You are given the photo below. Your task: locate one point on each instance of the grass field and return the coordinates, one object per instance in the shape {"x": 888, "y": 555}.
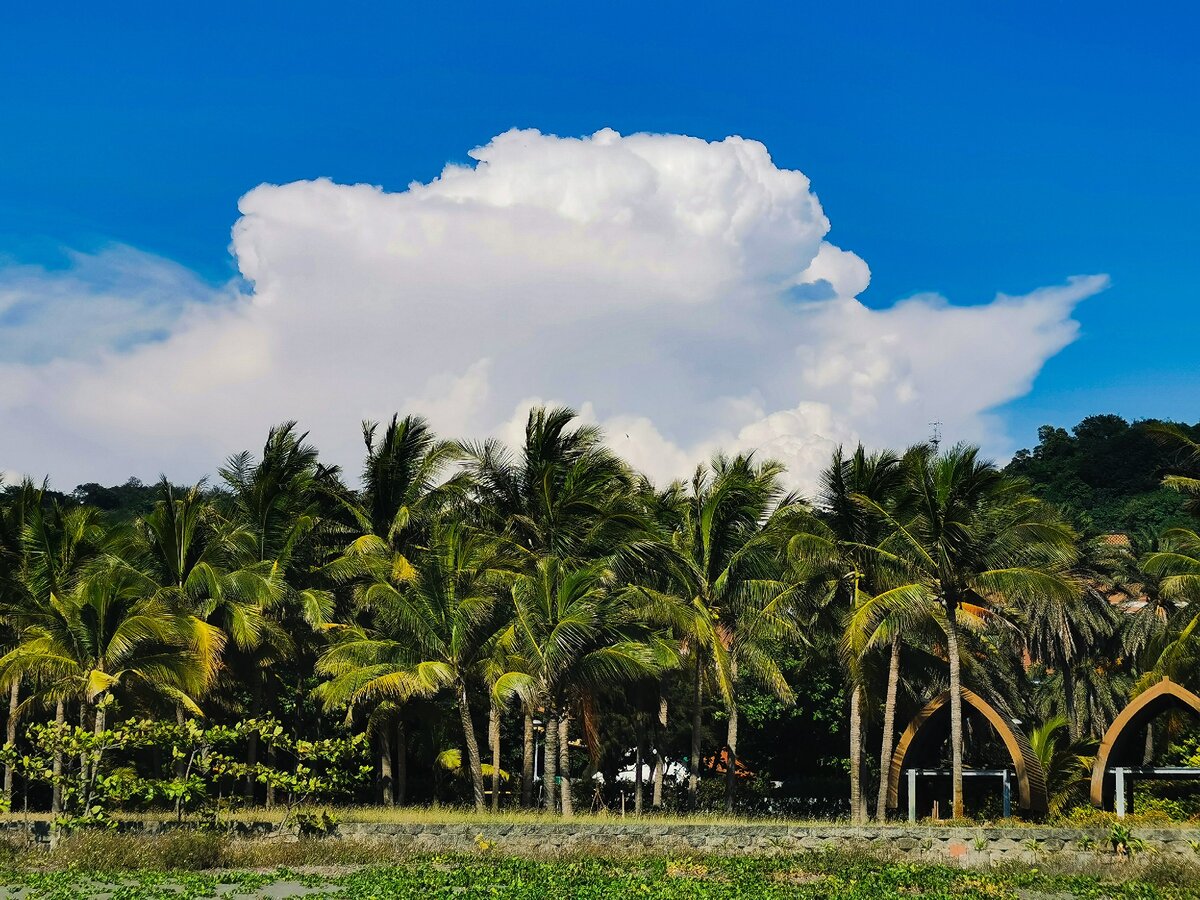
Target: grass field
{"x": 807, "y": 876}
{"x": 109, "y": 866}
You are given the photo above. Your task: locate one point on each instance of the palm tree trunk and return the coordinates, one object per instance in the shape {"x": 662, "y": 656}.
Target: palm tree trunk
{"x": 564, "y": 765}
{"x": 252, "y": 740}
{"x": 272, "y": 755}
{"x": 660, "y": 735}
{"x": 14, "y": 699}
{"x": 731, "y": 737}
{"x": 473, "y": 760}
{"x": 60, "y": 718}
{"x": 401, "y": 761}
{"x": 385, "y": 765}
{"x": 1069, "y": 701}
{"x": 956, "y": 722}
{"x": 694, "y": 759}
{"x": 639, "y": 754}
{"x": 83, "y": 756}
{"x": 180, "y": 764}
{"x": 94, "y": 771}
{"x": 494, "y": 740}
{"x": 550, "y": 765}
{"x": 889, "y": 730}
{"x": 527, "y": 760}
{"x": 856, "y": 748}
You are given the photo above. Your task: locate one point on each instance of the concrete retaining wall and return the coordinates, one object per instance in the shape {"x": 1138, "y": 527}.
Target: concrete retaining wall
{"x": 975, "y": 846}
{"x": 970, "y": 846}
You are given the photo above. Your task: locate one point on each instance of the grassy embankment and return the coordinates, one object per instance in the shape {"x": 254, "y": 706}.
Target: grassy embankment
{"x": 200, "y": 864}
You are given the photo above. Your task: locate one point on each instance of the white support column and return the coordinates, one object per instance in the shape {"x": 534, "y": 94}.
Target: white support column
{"x": 912, "y": 795}
{"x": 1120, "y": 792}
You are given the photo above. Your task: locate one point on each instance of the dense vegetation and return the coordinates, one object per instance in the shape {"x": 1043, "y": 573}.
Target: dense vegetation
{"x": 516, "y": 626}
{"x": 1107, "y": 474}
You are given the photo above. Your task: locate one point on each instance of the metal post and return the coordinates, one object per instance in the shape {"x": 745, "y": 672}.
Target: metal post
{"x": 1120, "y": 798}
{"x": 1007, "y": 796}
{"x": 912, "y": 795}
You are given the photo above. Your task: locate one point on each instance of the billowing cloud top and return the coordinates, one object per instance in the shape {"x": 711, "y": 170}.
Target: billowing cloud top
{"x": 680, "y": 292}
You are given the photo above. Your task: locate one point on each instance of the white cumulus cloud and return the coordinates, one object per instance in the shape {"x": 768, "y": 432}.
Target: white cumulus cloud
{"x": 681, "y": 293}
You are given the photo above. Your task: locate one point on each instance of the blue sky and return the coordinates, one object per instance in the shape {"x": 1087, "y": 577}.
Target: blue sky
{"x": 959, "y": 148}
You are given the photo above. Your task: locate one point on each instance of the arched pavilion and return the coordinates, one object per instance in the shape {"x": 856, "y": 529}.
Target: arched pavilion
{"x": 927, "y": 731}
{"x": 1120, "y": 750}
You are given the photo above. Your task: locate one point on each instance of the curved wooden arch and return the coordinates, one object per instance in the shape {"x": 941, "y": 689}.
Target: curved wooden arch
{"x": 1031, "y": 780}
{"x": 1127, "y": 727}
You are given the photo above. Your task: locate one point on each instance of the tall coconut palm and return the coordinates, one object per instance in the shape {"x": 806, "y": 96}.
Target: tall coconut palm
{"x": 974, "y": 536}
{"x": 570, "y": 633}
{"x": 1063, "y": 632}
{"x": 565, "y": 494}
{"x": 727, "y": 599}
{"x": 433, "y": 631}
{"x": 276, "y": 505}
{"x": 49, "y": 548}
{"x": 648, "y": 574}
{"x": 279, "y": 506}
{"x": 836, "y": 548}
{"x": 405, "y": 489}
{"x": 110, "y": 637}
{"x": 189, "y": 563}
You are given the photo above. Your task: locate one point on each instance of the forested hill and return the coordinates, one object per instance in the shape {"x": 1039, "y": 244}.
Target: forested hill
{"x": 1107, "y": 474}
{"x": 120, "y": 502}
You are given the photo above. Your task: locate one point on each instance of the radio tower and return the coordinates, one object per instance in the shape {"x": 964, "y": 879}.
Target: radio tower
{"x": 935, "y": 435}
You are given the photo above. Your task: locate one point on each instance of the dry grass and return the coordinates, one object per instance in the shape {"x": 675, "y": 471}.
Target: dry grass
{"x": 457, "y": 815}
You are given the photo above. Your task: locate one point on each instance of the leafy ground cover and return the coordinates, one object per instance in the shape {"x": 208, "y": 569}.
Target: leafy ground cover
{"x": 470, "y": 876}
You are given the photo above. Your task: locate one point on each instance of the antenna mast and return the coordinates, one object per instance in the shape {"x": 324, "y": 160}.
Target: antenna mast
{"x": 935, "y": 435}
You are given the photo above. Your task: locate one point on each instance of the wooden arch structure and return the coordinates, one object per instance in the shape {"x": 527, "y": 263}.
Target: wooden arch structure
{"x": 919, "y": 739}
{"x": 1120, "y": 742}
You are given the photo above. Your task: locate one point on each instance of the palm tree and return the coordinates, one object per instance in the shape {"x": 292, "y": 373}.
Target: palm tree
{"x": 404, "y": 492}
{"x": 835, "y": 548}
{"x": 727, "y": 600}
{"x": 1186, "y": 480}
{"x": 565, "y": 495}
{"x": 571, "y": 634}
{"x": 1064, "y": 632}
{"x": 276, "y": 505}
{"x": 434, "y": 631}
{"x": 279, "y": 507}
{"x": 1067, "y": 763}
{"x": 974, "y": 537}
{"x": 188, "y": 563}
{"x": 1176, "y": 566}
{"x": 48, "y": 548}
{"x": 110, "y": 636}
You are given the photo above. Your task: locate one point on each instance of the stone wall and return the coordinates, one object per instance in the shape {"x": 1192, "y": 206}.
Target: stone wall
{"x": 969, "y": 846}
{"x": 975, "y": 846}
